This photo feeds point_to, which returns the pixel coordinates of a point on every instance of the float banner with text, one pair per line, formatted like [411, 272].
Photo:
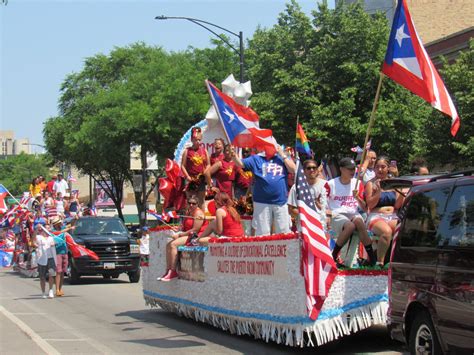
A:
[254, 259]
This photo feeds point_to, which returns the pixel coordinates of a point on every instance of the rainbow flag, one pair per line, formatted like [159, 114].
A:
[302, 144]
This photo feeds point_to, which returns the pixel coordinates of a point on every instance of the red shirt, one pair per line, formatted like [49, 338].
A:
[216, 157]
[243, 178]
[189, 222]
[231, 227]
[224, 177]
[196, 161]
[49, 186]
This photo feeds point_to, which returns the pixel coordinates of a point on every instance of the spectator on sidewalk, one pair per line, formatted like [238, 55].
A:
[61, 186]
[46, 258]
[61, 254]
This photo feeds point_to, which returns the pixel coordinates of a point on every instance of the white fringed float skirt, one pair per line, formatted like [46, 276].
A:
[256, 288]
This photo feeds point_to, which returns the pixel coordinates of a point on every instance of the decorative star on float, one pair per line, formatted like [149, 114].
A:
[240, 92]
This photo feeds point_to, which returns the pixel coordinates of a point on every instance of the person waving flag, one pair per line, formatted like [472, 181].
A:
[407, 63]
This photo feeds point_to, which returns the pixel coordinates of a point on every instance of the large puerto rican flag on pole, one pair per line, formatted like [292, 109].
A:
[407, 63]
[240, 123]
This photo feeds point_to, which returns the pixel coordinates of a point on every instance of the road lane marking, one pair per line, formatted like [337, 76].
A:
[65, 339]
[43, 344]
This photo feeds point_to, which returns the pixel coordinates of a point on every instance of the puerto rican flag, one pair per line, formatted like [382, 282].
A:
[407, 63]
[3, 194]
[241, 123]
[319, 268]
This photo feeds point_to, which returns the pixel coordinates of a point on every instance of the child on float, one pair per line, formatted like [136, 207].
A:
[194, 222]
[227, 222]
[382, 205]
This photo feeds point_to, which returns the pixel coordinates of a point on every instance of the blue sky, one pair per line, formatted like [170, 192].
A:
[43, 41]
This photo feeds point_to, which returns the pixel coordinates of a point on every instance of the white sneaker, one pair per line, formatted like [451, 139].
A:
[51, 294]
[44, 296]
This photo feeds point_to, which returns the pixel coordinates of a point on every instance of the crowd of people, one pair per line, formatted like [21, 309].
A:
[355, 201]
[43, 218]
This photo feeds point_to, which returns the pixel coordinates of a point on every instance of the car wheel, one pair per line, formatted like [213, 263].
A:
[423, 338]
[134, 276]
[74, 276]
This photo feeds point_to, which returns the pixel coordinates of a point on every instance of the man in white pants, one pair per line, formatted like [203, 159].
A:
[270, 190]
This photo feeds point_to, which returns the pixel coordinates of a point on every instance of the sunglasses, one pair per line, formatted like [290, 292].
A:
[192, 203]
[311, 168]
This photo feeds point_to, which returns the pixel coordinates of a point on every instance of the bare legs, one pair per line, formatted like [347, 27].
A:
[172, 252]
[384, 231]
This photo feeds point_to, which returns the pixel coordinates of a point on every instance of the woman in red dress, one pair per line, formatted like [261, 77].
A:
[194, 163]
[227, 222]
[224, 173]
[194, 222]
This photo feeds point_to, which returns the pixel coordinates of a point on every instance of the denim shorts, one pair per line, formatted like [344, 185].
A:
[49, 268]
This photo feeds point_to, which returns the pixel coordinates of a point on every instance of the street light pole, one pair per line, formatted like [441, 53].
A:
[203, 24]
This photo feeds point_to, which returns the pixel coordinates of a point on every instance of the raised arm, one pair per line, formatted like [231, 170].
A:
[237, 161]
[289, 163]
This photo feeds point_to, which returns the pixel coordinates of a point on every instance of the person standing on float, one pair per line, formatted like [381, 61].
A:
[270, 190]
[194, 163]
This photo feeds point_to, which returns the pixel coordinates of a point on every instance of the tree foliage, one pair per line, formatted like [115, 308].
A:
[17, 171]
[325, 71]
[136, 94]
[441, 148]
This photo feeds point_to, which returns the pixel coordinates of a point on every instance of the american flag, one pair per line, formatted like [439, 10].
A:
[319, 268]
[51, 212]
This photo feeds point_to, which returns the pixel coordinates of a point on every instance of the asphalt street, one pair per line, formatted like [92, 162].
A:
[110, 317]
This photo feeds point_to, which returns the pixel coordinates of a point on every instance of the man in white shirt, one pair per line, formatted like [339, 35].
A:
[317, 190]
[343, 201]
[60, 186]
[46, 257]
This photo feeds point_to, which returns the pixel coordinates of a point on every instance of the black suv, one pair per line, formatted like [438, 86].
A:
[432, 267]
[110, 240]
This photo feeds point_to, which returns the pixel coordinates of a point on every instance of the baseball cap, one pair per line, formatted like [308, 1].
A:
[145, 228]
[347, 163]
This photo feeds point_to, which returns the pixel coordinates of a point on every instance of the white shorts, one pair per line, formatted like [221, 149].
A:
[338, 221]
[265, 215]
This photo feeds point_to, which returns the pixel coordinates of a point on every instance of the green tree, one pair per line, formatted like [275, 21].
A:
[136, 94]
[441, 148]
[17, 171]
[325, 71]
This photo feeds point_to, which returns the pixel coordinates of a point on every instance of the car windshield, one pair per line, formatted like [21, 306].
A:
[99, 226]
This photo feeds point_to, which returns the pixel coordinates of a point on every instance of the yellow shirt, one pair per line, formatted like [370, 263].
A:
[35, 190]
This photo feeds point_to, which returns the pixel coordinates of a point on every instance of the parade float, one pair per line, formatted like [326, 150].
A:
[258, 286]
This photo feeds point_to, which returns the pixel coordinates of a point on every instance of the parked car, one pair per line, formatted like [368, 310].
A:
[109, 238]
[432, 267]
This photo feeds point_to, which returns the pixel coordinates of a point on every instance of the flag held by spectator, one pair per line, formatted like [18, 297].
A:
[319, 268]
[302, 143]
[78, 250]
[240, 123]
[407, 63]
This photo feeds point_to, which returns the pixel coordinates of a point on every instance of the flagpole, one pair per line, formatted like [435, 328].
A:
[296, 139]
[217, 110]
[369, 127]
